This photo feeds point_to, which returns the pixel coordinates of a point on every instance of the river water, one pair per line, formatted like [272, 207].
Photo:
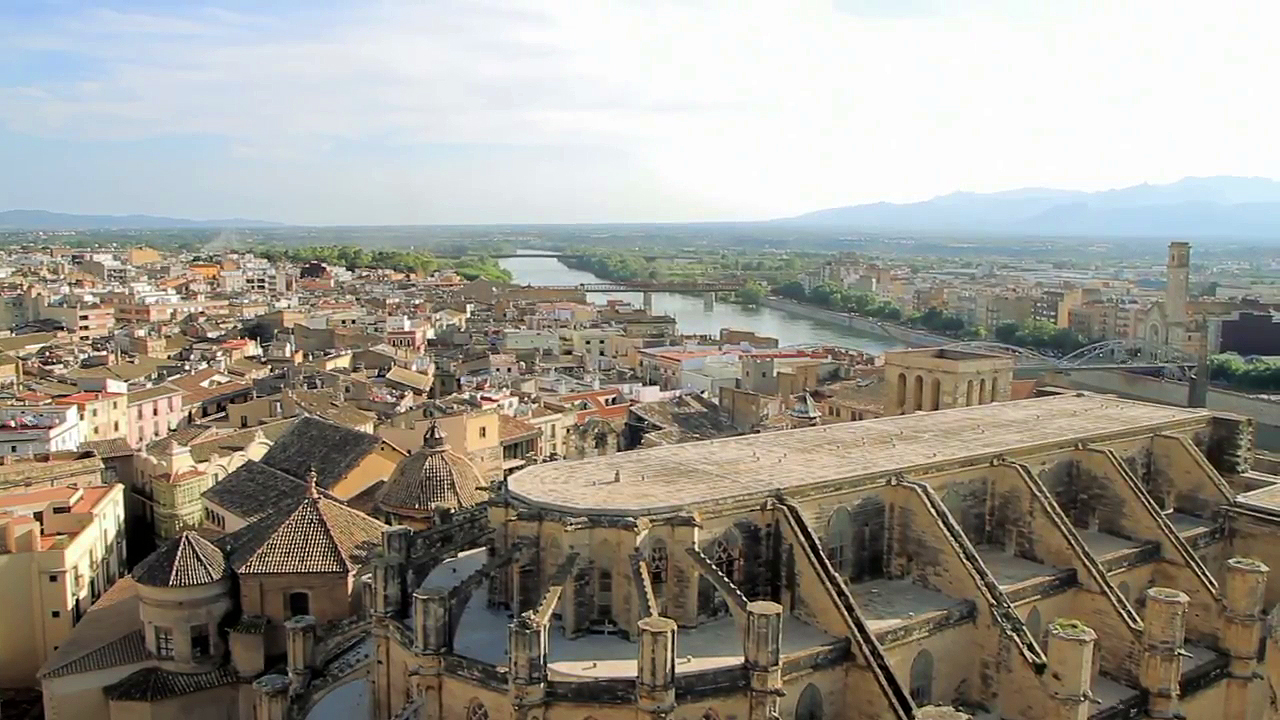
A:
[694, 318]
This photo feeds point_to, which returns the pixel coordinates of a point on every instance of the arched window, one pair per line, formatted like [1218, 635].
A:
[968, 393]
[1034, 623]
[900, 399]
[995, 389]
[476, 710]
[982, 391]
[935, 394]
[922, 678]
[917, 387]
[658, 564]
[809, 706]
[727, 553]
[839, 546]
[299, 603]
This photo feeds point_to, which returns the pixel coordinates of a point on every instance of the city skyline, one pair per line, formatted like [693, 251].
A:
[517, 112]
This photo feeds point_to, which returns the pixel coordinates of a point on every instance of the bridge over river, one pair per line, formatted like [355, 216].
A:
[646, 287]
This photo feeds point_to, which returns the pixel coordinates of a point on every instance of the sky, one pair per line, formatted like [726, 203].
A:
[490, 111]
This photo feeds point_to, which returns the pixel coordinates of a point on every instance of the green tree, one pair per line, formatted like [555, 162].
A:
[1007, 332]
[890, 312]
[752, 293]
[793, 290]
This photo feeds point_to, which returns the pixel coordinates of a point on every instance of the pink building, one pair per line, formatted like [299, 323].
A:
[153, 413]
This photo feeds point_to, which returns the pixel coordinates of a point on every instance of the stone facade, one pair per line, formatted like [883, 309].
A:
[1060, 558]
[1083, 570]
[941, 379]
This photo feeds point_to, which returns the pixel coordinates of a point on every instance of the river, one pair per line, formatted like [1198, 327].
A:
[694, 318]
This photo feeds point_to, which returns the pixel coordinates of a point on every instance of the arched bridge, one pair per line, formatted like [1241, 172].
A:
[1109, 354]
[646, 287]
[556, 255]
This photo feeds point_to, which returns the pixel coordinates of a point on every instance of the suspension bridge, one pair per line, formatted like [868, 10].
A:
[1105, 355]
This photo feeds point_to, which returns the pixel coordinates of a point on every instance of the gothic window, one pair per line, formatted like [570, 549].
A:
[658, 564]
[809, 706]
[922, 678]
[727, 554]
[839, 546]
[968, 393]
[1034, 623]
[982, 391]
[476, 710]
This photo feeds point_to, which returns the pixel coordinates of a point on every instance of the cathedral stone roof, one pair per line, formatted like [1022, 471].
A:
[311, 534]
[676, 477]
[184, 561]
[432, 477]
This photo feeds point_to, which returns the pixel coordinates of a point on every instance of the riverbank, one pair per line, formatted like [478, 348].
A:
[898, 333]
[695, 317]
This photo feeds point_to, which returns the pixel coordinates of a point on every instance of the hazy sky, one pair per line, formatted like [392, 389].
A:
[426, 111]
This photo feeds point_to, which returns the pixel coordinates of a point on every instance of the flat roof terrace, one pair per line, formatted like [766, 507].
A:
[672, 478]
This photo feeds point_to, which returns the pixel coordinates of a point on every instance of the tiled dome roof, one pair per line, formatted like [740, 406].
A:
[185, 561]
[431, 478]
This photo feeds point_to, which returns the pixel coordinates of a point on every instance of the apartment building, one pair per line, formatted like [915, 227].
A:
[593, 345]
[103, 415]
[153, 413]
[1105, 320]
[160, 306]
[540, 341]
[85, 320]
[1054, 306]
[60, 549]
[27, 430]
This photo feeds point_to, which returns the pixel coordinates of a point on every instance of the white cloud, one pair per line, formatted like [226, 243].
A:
[734, 109]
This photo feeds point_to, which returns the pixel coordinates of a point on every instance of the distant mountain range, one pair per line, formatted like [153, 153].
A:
[1244, 207]
[44, 220]
[1194, 207]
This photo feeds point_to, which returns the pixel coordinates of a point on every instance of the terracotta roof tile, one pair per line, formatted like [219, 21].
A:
[109, 448]
[253, 491]
[124, 650]
[314, 535]
[432, 478]
[332, 450]
[511, 429]
[185, 561]
[153, 683]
